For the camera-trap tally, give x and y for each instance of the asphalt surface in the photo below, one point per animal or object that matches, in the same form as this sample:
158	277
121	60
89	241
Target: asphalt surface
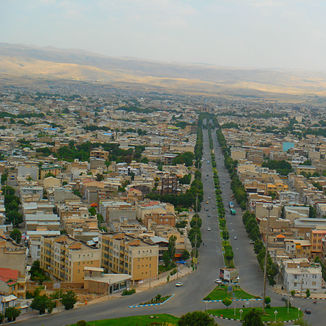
199	283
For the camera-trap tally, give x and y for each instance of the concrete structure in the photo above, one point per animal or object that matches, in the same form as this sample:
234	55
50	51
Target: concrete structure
99	153
65	258
122	253
96	281
12	255
32	191
300	275
294	212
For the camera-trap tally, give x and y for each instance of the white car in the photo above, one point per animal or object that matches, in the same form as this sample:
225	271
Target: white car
178	284
218	281
209	229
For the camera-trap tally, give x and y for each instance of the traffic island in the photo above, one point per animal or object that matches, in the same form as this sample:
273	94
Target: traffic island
157	301
272	314
236	294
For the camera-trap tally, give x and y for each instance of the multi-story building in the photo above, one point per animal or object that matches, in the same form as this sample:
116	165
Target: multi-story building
300	275
64	258
99	153
317	237
122	253
163	219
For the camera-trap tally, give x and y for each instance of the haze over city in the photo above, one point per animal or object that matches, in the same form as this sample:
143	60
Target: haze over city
233	33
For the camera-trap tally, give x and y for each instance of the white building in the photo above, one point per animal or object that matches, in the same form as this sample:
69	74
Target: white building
300	275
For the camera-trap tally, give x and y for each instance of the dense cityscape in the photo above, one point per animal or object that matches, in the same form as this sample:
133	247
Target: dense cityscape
162	163
104	197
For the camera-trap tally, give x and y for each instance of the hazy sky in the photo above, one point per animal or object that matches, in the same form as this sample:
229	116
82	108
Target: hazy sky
239	33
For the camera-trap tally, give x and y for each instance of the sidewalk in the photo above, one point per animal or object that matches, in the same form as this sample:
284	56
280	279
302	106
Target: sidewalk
318	296
163	279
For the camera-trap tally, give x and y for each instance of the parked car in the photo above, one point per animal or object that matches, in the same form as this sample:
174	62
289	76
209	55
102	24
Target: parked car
178	284
307	311
218	281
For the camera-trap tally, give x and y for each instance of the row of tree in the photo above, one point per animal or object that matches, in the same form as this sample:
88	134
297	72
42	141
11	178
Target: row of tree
249	219
228	252
251	225
239	192
12	206
73	151
44	303
282	167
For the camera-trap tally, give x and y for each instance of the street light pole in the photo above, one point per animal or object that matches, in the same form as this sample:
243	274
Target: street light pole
269	208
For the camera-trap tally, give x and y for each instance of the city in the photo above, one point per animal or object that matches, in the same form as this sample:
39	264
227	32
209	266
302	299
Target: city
162	163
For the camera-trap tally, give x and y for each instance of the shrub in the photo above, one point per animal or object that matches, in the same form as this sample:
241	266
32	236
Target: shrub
128	292
81	323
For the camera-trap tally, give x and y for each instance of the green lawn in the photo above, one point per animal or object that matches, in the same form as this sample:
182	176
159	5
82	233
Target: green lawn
220	292
269	315
135	321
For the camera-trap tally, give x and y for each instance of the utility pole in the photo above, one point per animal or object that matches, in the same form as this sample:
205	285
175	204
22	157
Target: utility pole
269	208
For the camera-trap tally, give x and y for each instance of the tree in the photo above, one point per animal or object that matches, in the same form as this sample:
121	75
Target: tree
81	323
92	211
2	317
267	302
225	235
196	318
252	318
16	235
99	177
168	255
12	313
227	301
42	303
37	273
69	299
185	255
312	212
293	293
307	293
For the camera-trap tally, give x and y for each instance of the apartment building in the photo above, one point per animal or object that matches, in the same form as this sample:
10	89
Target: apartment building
300	275
163	219
99	153
317	237
122	253
65	258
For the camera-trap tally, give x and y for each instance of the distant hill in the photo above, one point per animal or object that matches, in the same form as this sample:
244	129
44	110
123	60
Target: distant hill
21	62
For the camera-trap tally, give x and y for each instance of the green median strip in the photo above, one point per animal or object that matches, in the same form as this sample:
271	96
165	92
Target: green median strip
221	292
161	319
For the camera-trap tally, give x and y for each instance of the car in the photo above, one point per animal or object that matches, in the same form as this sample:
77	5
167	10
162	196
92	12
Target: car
252	242
235	237
307	311
218	281
209	229
178	284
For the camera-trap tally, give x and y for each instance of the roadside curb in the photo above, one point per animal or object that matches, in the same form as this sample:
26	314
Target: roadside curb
152	304
208	301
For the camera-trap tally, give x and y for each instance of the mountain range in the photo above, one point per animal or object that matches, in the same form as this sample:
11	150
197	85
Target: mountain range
23	64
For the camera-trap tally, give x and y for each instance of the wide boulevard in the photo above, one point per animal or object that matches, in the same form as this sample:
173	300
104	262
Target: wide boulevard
199	283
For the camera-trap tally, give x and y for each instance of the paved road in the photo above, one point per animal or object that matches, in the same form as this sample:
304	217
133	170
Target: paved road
198	284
